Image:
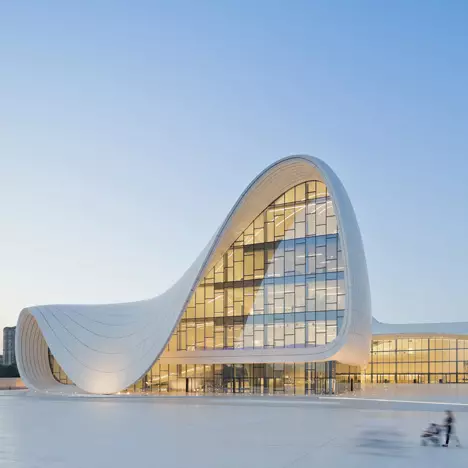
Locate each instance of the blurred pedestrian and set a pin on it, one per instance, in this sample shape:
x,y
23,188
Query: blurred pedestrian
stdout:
x,y
449,424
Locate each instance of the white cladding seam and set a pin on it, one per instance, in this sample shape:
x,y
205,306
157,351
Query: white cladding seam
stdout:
x,y
105,348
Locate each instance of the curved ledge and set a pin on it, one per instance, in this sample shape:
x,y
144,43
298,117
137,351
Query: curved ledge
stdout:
x,y
382,330
106,348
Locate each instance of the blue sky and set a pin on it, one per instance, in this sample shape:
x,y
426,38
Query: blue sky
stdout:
x,y
128,130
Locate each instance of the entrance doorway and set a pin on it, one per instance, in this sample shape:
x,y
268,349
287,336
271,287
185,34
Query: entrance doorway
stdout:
x,y
193,385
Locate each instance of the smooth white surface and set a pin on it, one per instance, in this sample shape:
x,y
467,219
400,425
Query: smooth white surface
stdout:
x,y
278,432
106,348
455,329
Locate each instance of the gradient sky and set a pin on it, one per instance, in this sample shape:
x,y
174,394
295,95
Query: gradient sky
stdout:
x,y
129,129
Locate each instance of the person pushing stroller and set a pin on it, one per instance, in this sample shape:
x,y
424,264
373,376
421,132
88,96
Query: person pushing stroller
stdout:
x,y
434,432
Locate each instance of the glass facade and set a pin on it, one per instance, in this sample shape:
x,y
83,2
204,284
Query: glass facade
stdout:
x,y
57,371
285,378
418,360
281,284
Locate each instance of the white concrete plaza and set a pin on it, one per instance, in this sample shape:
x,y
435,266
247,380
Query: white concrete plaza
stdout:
x,y
220,432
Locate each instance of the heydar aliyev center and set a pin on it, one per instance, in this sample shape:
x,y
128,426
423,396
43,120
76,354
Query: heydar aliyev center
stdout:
x,y
277,302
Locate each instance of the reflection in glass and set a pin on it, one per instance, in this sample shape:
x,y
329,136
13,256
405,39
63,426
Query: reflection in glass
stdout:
x,y
418,360
288,269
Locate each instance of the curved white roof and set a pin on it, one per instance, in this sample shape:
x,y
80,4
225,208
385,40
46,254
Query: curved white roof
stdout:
x,y
418,329
106,348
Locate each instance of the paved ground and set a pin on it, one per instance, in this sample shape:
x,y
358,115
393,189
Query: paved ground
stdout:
x,y
220,432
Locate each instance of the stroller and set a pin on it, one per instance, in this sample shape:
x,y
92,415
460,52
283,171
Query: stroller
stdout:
x,y
431,434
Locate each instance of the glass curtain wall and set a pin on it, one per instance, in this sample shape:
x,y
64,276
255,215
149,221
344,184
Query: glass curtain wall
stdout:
x,y
281,378
281,284
57,371
418,360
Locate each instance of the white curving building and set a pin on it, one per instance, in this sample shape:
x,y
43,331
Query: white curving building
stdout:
x,y
277,302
